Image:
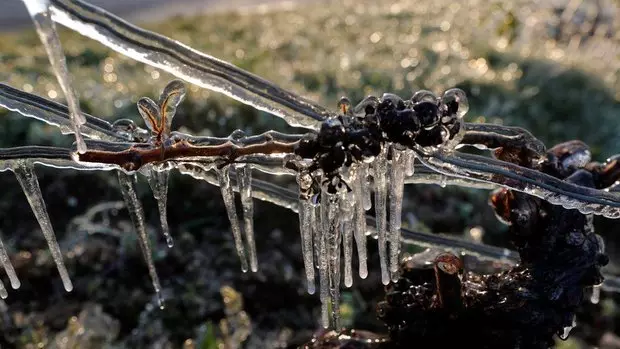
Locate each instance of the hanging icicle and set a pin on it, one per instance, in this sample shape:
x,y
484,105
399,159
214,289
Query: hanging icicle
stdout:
x,y
409,162
347,246
46,29
134,206
228,196
331,222
321,236
306,226
380,173
396,186
24,171
158,180
359,192
244,181
8,267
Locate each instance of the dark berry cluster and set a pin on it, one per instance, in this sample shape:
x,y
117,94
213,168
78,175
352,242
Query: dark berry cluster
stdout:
x,y
359,133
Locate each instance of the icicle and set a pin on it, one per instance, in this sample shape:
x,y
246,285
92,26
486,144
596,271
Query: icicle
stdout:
x,y
567,329
244,180
321,234
380,169
409,160
397,179
134,206
359,192
347,241
8,267
228,196
306,210
158,180
30,185
595,297
331,229
3,293
365,197
46,29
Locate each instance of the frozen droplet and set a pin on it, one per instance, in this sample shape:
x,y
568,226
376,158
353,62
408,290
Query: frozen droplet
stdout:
x,y
368,104
456,101
134,206
244,180
423,96
24,172
228,196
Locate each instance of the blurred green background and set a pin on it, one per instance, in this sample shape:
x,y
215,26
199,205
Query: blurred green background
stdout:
x,y
549,66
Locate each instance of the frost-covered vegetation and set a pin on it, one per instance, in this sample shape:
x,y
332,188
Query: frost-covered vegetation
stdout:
x,y
509,75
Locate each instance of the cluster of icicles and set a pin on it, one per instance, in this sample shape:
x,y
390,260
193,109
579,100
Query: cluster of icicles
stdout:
x,y
340,217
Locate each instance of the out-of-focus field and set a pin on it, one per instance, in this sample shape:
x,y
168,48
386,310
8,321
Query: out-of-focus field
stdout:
x,y
551,67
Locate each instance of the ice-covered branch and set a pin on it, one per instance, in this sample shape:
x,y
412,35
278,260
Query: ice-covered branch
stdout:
x,y
186,63
53,113
558,192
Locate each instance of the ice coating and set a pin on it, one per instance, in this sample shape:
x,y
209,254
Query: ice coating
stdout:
x,y
546,187
187,63
397,178
53,113
380,174
158,180
244,181
306,210
228,196
24,172
8,267
46,29
134,206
